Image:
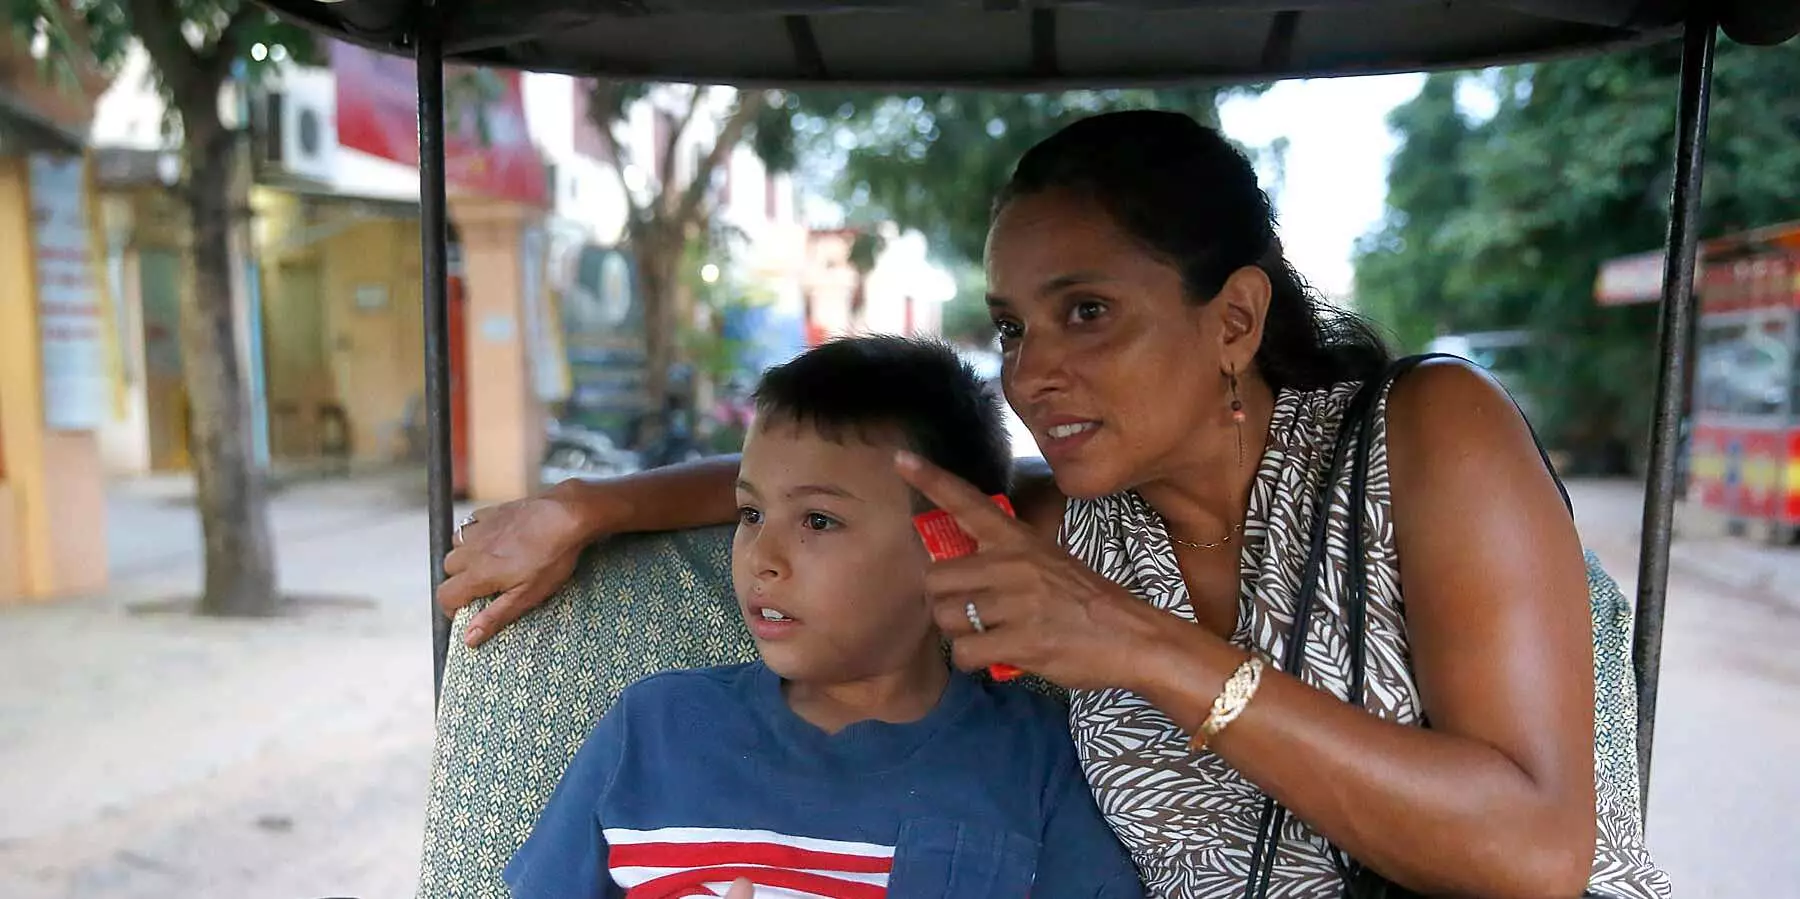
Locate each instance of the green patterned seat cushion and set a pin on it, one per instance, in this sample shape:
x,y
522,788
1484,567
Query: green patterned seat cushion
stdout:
x,y
512,713
1615,694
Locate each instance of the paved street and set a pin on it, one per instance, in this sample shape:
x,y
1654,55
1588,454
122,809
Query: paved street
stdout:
x,y
147,754
1726,775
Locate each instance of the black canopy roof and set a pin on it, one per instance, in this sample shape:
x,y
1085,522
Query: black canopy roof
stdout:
x,y
1021,43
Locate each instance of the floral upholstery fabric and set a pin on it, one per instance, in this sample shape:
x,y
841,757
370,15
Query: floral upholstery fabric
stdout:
x,y
512,713
1615,691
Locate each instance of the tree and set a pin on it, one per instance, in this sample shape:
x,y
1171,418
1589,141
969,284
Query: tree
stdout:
x,y
194,47
929,160
1505,223
934,160
664,215
1400,272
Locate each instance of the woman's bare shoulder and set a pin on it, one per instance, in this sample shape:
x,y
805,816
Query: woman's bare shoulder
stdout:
x,y
1453,406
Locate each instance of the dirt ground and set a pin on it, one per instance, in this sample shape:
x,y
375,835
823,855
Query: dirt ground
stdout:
x,y
154,754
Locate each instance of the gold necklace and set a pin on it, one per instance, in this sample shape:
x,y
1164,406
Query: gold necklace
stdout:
x,y
1213,545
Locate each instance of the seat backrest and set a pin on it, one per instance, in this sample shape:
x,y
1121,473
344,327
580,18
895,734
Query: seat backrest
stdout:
x,y
1615,697
512,713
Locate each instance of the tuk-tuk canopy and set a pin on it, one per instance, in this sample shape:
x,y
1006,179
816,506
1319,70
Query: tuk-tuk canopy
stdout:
x,y
1021,43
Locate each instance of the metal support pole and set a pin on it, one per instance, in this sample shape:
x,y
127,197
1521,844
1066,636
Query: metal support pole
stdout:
x,y
434,266
1675,343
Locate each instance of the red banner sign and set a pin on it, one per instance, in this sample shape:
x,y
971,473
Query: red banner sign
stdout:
x,y
377,113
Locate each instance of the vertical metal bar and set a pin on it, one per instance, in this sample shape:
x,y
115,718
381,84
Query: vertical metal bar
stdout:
x,y
434,266
1675,341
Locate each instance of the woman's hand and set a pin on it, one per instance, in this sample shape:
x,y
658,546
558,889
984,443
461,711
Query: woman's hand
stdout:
x,y
520,553
1040,608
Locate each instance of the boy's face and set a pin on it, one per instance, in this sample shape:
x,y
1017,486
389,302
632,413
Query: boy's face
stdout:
x,y
828,570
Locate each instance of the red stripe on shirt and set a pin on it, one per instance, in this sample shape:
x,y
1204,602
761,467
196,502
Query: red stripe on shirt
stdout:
x,y
695,855
683,883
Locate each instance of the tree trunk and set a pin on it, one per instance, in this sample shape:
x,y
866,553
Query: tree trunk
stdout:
x,y
232,497
658,257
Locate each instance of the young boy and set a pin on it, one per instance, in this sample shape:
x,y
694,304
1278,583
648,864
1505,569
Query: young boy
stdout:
x,y
851,761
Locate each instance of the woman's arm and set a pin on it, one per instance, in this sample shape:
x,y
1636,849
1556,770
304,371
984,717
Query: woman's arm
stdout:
x,y
690,495
521,552
1496,799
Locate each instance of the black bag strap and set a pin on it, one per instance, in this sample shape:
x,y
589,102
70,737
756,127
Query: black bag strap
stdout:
x,y
1358,419
1274,816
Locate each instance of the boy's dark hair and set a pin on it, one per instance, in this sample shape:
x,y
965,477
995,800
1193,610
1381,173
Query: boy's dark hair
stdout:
x,y
855,387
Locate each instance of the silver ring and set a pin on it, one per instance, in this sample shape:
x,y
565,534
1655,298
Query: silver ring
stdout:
x,y
457,537
974,617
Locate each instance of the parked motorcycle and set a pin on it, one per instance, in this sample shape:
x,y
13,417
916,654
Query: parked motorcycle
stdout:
x,y
572,451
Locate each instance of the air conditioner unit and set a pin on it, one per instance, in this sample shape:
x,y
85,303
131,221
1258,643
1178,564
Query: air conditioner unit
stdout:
x,y
298,124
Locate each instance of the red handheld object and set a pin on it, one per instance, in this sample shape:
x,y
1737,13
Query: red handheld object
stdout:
x,y
945,539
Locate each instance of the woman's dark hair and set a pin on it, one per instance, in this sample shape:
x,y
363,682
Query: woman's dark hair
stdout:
x,y
853,388
1188,196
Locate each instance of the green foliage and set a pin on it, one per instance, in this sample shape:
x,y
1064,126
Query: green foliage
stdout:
x,y
1401,271
934,160
191,42
865,250
1504,223
715,356
966,319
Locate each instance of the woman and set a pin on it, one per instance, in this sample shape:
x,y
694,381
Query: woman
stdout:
x,y
1186,389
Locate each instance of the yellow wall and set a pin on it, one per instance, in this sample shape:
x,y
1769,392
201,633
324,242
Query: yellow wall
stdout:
x,y
373,360
506,420
149,427
160,227
12,544
24,518
324,342
377,353
52,499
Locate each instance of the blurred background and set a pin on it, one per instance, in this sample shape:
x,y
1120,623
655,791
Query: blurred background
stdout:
x,y
210,270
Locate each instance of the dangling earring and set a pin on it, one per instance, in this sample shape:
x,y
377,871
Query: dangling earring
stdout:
x,y
1237,418
1237,414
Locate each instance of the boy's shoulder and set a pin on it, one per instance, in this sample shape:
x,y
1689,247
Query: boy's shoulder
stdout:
x,y
1020,705
669,691
1013,720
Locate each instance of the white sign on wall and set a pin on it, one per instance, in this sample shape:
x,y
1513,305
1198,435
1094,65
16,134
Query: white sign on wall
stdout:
x,y
545,359
72,343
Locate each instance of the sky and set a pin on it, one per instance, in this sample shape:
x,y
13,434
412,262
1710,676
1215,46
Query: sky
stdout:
x,y
1338,150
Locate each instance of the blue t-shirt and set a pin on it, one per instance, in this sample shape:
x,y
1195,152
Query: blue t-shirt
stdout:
x,y
696,778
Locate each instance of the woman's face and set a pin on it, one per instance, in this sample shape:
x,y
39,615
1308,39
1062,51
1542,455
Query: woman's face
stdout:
x,y
1120,378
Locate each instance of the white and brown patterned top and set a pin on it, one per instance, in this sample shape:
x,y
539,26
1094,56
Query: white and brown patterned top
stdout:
x,y
1189,820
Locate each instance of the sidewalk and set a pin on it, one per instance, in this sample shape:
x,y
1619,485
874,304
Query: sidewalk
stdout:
x,y
152,524
154,754
1610,515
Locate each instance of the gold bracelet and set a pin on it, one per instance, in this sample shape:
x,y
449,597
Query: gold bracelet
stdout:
x,y
1232,700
